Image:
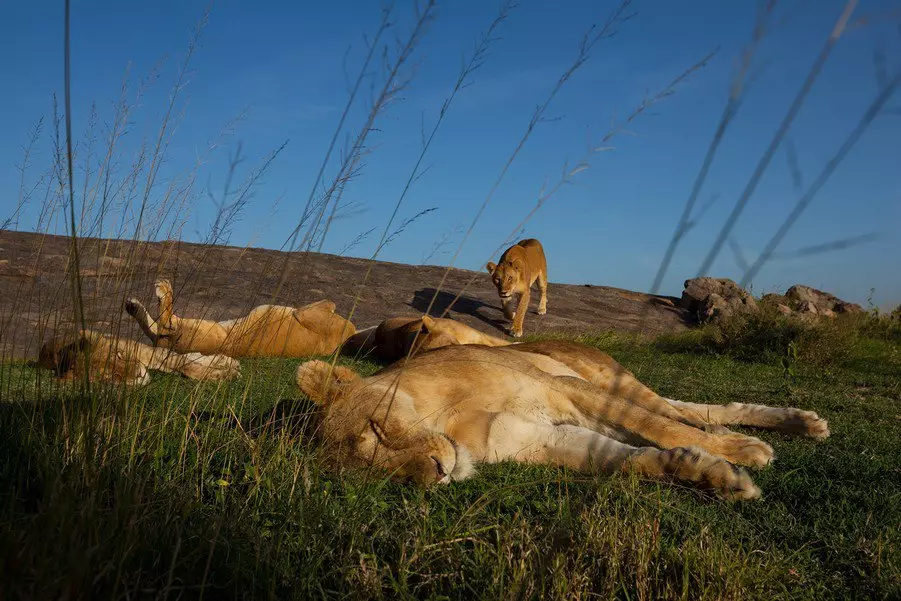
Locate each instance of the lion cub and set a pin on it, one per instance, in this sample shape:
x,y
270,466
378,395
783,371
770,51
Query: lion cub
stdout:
x,y
520,266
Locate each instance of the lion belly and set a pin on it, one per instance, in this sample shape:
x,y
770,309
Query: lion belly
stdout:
x,y
283,336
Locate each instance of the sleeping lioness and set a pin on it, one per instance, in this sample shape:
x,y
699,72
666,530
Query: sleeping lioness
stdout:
x,y
401,336
266,331
432,416
127,361
520,266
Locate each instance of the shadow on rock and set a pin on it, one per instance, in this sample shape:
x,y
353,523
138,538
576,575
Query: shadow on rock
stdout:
x,y
466,305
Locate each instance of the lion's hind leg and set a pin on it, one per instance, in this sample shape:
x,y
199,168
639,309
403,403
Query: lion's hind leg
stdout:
x,y
164,297
512,437
784,419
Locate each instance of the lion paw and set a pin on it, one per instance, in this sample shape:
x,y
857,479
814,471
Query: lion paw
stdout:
x,y
808,423
516,333
163,288
730,482
132,306
542,310
745,450
707,472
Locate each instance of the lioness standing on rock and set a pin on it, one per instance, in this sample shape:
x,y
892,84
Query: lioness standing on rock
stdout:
x,y
520,266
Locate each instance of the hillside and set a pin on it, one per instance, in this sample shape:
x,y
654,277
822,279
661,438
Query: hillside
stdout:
x,y
223,282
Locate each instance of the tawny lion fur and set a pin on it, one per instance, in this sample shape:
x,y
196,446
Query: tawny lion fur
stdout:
x,y
520,266
401,336
266,331
127,361
430,417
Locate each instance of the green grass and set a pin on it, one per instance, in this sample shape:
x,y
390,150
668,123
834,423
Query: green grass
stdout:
x,y
216,490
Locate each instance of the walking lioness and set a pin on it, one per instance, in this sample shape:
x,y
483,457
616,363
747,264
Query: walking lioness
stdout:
x,y
266,331
520,266
430,417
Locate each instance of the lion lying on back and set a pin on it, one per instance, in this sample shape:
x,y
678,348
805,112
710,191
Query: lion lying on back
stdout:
x,y
266,331
542,402
127,361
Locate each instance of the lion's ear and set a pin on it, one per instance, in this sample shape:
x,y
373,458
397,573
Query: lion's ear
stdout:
x,y
428,323
318,380
491,267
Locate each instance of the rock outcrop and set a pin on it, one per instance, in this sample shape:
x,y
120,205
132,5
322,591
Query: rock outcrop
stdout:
x,y
805,299
712,299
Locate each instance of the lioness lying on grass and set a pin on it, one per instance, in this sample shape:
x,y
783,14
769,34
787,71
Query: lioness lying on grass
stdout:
x,y
127,361
430,417
398,336
266,331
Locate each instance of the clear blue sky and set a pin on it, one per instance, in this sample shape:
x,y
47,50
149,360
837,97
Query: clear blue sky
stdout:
x,y
284,61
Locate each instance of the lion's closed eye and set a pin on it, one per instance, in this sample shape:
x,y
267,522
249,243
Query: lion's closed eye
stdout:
x,y
377,430
439,469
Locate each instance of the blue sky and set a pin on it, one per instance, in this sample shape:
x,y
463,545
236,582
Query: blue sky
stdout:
x,y
284,61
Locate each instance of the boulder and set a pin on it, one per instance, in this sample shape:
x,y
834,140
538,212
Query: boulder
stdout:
x,y
806,307
784,309
711,299
822,301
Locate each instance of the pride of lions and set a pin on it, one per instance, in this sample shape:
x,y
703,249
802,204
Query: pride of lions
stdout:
x,y
454,396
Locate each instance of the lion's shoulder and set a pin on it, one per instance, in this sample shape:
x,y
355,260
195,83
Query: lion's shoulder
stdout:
x,y
525,256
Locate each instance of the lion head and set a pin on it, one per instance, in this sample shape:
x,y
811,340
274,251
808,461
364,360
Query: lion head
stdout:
x,y
60,353
507,276
426,333
369,423
66,355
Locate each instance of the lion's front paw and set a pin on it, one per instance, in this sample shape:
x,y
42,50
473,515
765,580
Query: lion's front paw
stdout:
x,y
132,306
516,333
730,482
702,469
745,450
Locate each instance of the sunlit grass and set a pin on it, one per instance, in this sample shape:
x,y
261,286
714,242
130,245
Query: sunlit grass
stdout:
x,y
217,488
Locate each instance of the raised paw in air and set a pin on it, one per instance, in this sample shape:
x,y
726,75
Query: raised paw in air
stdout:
x,y
132,306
